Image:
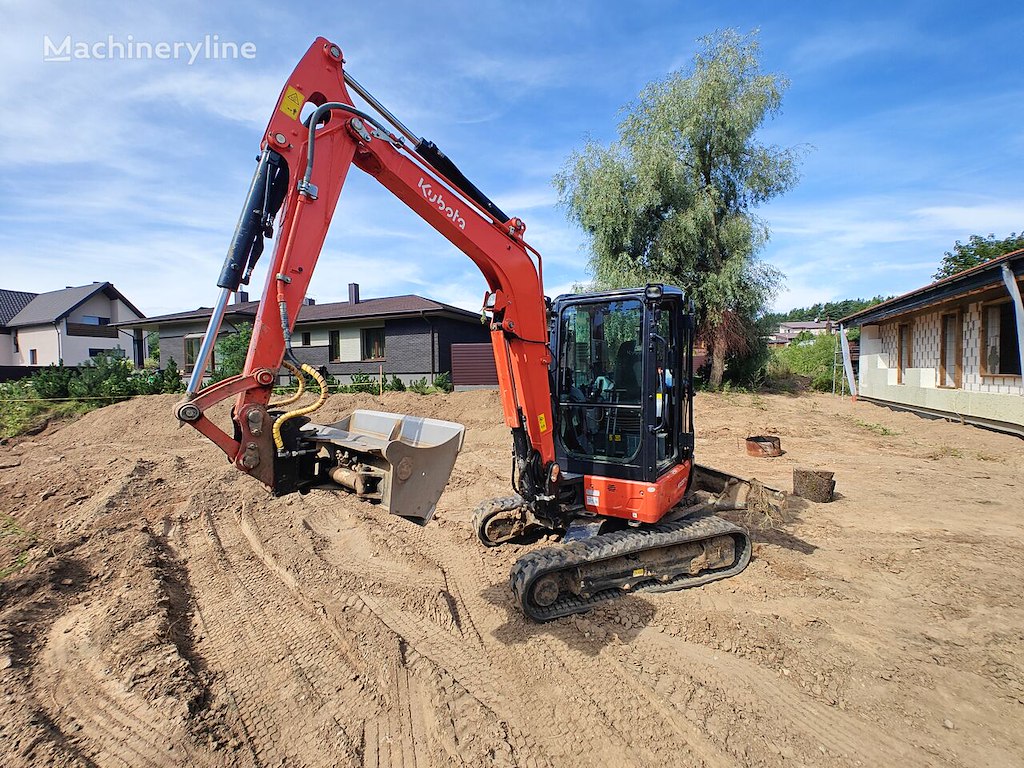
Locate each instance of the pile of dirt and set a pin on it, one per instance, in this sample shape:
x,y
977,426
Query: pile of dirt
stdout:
x,y
163,609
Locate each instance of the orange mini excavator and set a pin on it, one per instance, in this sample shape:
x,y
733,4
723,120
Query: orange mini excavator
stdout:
x,y
597,388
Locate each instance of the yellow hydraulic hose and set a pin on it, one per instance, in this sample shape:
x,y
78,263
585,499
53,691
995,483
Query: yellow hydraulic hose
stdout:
x,y
314,374
301,382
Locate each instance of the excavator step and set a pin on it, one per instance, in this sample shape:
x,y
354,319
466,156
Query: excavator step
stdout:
x,y
560,581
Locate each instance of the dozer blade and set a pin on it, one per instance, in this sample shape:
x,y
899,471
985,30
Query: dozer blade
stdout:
x,y
404,461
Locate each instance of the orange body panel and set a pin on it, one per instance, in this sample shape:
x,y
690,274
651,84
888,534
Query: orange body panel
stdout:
x,y
633,500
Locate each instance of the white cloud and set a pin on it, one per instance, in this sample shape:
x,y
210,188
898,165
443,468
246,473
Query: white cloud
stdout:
x,y
982,218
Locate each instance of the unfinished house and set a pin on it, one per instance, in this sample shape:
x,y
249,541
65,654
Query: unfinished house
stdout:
x,y
950,349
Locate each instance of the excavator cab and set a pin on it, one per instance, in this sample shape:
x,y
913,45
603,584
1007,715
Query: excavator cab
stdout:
x,y
623,374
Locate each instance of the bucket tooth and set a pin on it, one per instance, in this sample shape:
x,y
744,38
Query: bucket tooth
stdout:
x,y
415,455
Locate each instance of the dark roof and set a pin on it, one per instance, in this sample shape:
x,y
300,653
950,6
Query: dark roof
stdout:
x,y
245,309
391,306
986,275
12,302
52,306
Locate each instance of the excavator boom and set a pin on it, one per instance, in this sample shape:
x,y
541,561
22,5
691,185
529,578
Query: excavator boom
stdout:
x,y
315,135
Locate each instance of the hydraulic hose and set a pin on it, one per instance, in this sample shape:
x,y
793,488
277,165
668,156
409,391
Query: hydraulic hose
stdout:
x,y
314,120
301,381
314,374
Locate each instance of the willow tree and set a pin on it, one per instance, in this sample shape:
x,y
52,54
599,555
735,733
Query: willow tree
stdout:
x,y
671,199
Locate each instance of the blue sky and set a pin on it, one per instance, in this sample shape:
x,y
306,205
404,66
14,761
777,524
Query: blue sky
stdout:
x,y
134,171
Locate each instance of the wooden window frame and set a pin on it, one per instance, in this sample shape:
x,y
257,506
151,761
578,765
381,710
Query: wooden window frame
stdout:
x,y
364,338
983,341
900,362
334,346
197,342
958,365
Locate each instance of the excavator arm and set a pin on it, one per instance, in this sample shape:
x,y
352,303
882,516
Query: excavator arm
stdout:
x,y
304,162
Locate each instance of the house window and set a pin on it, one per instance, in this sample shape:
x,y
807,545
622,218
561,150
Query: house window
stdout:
x,y
306,338
950,368
95,320
33,357
373,343
334,346
98,352
1000,354
906,349
14,340
192,345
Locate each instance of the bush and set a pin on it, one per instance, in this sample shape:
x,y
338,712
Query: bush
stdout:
x,y
230,353
419,386
59,390
813,357
395,384
107,377
52,381
361,382
443,382
171,378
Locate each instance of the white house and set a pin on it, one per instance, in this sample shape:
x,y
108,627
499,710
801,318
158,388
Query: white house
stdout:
x,y
70,326
790,330
950,349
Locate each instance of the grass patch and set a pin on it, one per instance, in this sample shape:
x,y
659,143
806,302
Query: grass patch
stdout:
x,y
758,402
16,543
982,456
878,429
945,452
23,412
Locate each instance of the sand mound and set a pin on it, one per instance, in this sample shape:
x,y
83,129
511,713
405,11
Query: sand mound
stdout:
x,y
164,610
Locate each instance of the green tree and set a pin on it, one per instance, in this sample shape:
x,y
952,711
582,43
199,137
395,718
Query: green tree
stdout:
x,y
977,250
231,351
671,200
829,310
171,378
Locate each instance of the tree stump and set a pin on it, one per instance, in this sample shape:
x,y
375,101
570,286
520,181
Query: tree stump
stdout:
x,y
814,484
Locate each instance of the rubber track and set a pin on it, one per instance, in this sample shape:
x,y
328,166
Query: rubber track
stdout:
x,y
490,508
619,544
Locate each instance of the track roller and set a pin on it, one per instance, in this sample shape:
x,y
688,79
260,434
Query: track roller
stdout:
x,y
553,582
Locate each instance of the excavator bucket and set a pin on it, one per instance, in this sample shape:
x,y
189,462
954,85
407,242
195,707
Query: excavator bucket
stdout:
x,y
403,462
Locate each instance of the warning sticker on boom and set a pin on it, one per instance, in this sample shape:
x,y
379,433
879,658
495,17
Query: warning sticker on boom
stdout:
x,y
542,422
292,102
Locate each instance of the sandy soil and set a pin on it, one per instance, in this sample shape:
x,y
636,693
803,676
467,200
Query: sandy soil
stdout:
x,y
172,613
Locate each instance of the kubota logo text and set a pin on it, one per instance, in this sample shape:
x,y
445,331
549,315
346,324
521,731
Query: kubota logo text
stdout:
x,y
438,199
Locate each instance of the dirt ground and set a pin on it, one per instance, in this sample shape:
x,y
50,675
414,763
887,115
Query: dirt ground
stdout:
x,y
170,612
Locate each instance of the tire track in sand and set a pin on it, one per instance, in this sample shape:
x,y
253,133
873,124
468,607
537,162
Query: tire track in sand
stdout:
x,y
285,674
